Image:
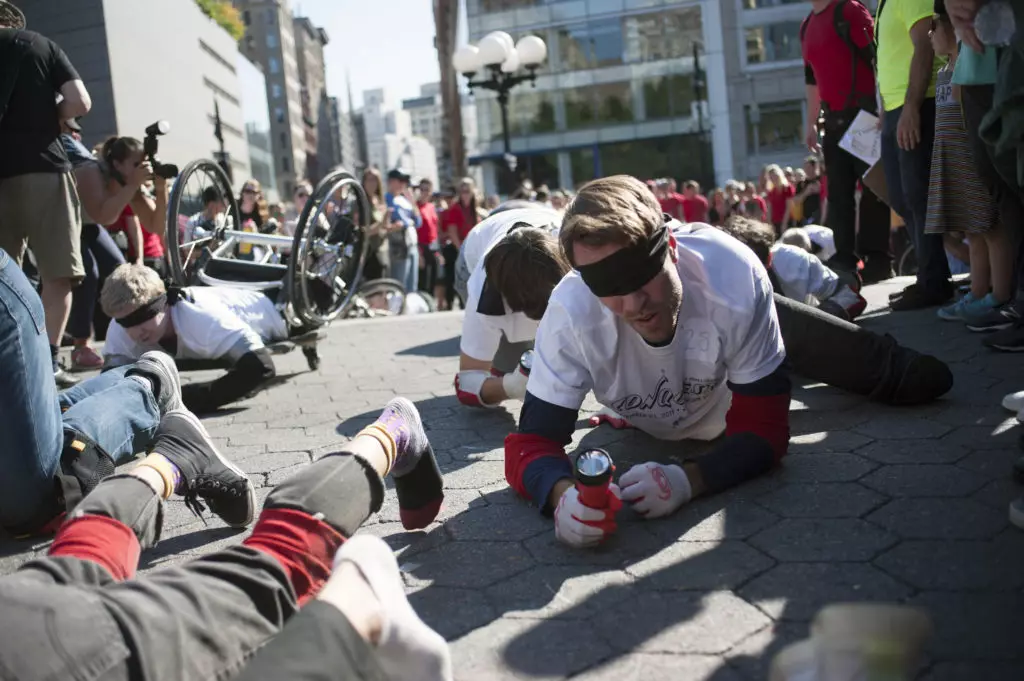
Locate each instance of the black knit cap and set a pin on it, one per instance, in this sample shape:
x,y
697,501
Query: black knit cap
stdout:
x,y
940,7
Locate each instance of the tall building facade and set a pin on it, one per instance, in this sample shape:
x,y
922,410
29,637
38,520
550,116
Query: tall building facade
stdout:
x,y
427,120
702,89
270,42
104,40
309,53
390,141
257,127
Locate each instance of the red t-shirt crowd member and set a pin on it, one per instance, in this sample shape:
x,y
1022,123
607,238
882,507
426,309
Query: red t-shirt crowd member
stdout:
x,y
152,244
828,58
464,218
755,208
777,198
695,209
426,233
673,205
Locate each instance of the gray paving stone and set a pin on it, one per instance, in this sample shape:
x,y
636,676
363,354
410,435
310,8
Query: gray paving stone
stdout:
x,y
998,493
974,626
661,668
824,467
751,658
452,612
973,671
451,439
699,566
985,437
500,522
957,565
474,475
900,427
823,540
563,591
796,591
995,464
913,452
467,564
632,541
456,502
826,441
813,420
479,452
684,622
268,463
516,649
404,543
714,518
924,481
939,519
824,500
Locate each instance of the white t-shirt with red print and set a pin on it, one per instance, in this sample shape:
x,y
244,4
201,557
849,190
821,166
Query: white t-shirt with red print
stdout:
x,y
727,330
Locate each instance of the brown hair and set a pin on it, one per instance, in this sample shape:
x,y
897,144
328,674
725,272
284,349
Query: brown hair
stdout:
x,y
377,197
261,202
525,267
754,234
611,210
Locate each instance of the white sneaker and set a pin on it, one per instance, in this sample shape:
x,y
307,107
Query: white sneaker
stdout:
x,y
1014,401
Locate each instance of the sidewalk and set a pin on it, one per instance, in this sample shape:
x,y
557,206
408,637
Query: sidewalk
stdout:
x,y
874,503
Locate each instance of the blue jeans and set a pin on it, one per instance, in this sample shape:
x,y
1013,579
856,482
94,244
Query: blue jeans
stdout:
x,y
906,177
407,270
119,415
100,256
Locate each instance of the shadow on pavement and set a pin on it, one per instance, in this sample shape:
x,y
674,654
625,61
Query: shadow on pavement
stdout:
x,y
448,347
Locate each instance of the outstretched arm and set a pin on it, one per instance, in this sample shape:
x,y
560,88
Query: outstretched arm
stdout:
x,y
251,371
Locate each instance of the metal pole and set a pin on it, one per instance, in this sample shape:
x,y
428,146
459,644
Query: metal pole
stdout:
x,y
503,103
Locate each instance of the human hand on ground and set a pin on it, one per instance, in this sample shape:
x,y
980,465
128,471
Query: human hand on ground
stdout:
x,y
612,418
581,526
655,490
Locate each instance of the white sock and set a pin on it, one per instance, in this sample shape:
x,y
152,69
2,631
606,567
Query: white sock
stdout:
x,y
408,650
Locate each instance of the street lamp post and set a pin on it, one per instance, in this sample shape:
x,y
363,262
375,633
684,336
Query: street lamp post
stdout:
x,y
502,62
700,92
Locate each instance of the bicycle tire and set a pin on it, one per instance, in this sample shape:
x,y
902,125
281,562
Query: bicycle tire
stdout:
x,y
301,289
369,290
180,273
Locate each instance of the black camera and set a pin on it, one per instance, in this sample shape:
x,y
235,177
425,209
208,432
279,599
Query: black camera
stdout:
x,y
150,144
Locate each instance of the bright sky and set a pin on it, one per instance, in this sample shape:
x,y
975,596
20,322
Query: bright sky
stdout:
x,y
378,43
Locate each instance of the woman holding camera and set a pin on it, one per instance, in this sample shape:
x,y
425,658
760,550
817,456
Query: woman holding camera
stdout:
x,y
102,202
144,219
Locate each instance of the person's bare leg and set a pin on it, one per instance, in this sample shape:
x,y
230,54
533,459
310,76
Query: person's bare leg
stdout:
x,y
980,270
1000,258
56,297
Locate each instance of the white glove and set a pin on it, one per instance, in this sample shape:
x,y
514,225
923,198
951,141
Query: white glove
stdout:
x,y
514,384
655,490
469,386
580,526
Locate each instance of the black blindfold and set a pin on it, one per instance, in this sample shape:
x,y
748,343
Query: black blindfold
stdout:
x,y
628,269
144,313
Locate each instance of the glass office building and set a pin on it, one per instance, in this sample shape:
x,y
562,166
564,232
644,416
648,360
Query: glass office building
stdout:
x,y
706,90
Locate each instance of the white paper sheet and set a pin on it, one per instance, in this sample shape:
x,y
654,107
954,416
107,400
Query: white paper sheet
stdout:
x,y
863,139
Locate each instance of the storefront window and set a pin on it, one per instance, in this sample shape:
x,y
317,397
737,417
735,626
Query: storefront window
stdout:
x,y
781,126
668,96
614,103
534,112
579,109
774,42
683,157
662,35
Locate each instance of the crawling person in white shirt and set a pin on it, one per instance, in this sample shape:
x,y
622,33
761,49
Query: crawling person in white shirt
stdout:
x,y
814,239
514,261
197,322
794,271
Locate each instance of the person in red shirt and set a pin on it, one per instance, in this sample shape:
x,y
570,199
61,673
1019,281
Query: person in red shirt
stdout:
x,y
671,201
695,206
840,82
430,247
753,204
780,191
461,217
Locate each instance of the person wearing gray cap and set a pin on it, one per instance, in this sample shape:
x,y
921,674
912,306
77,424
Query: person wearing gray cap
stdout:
x,y
38,199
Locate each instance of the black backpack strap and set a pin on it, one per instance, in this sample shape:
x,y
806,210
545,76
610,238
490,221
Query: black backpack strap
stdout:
x,y
22,44
865,54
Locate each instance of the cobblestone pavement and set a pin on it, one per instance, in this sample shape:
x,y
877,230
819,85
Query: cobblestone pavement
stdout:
x,y
873,503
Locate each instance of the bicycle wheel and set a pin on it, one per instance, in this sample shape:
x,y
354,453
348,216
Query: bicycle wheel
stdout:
x,y
191,239
328,255
908,263
381,298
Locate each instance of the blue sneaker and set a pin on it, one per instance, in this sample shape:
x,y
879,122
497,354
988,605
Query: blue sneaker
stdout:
x,y
989,315
954,312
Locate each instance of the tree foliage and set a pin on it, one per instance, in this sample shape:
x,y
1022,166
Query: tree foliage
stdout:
x,y
226,16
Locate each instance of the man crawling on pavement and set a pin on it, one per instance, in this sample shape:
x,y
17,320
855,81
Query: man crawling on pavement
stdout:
x,y
197,322
671,326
